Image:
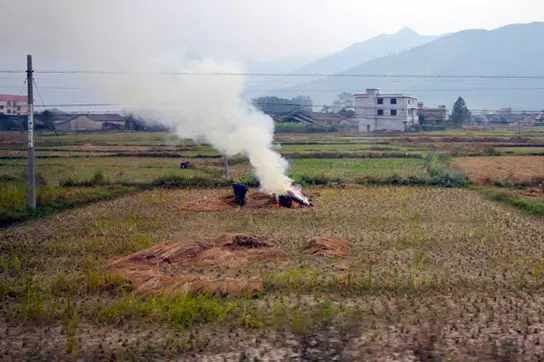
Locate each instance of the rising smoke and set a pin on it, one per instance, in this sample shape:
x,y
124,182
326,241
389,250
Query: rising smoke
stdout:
x,y
126,36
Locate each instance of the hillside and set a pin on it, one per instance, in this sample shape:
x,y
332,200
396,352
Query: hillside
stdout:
x,y
351,56
510,50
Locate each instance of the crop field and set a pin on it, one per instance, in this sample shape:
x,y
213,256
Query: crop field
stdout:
x,y
359,168
424,247
511,169
428,272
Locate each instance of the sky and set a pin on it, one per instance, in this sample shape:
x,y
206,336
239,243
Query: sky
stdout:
x,y
72,34
265,30
268,29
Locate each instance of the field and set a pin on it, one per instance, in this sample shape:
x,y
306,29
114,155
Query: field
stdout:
x,y
436,265
515,169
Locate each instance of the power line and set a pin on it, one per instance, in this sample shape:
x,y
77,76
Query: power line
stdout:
x,y
347,75
279,105
39,93
393,90
59,88
413,90
23,87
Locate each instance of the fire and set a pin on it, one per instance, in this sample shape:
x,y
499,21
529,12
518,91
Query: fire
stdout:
x,y
293,198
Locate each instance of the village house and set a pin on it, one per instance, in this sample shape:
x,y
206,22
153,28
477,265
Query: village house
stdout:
x,y
88,122
12,105
307,117
439,114
375,111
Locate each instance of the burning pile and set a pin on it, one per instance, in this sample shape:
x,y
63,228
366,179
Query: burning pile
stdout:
x,y
217,202
292,197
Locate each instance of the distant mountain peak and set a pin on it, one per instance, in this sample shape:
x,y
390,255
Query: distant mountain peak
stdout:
x,y
406,30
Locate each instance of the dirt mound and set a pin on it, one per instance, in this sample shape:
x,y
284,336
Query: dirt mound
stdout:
x,y
254,200
328,246
240,241
161,268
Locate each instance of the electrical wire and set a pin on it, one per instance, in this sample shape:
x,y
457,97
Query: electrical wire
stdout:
x,y
281,105
413,90
38,90
346,75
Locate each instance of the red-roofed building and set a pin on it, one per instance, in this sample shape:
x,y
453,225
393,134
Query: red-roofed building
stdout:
x,y
12,105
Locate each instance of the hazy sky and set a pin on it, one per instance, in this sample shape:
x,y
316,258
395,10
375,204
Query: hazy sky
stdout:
x,y
254,29
272,28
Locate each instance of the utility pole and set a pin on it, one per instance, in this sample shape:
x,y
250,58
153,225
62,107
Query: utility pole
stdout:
x,y
31,166
226,159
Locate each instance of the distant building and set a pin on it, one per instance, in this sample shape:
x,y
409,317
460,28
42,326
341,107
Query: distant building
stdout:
x,y
432,114
385,112
88,122
306,117
12,105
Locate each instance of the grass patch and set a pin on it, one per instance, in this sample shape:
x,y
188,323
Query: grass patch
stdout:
x,y
530,207
13,199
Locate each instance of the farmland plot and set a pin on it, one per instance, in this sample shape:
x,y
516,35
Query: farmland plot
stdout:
x,y
428,273
527,170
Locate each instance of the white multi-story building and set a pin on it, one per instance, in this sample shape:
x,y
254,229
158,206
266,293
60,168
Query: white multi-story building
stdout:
x,y
385,112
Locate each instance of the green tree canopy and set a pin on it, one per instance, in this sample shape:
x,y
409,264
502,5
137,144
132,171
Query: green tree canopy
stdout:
x,y
276,105
47,118
460,113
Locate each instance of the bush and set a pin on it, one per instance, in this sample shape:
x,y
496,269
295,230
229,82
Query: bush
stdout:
x,y
177,181
441,174
98,179
306,180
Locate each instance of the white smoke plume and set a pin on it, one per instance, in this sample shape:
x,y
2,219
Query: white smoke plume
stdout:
x,y
127,36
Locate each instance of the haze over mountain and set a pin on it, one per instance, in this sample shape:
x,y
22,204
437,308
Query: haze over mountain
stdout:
x,y
510,50
351,56
513,50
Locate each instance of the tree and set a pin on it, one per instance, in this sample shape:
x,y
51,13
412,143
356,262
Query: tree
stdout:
x,y
47,118
275,105
5,123
347,112
133,123
345,97
460,113
345,100
303,102
325,109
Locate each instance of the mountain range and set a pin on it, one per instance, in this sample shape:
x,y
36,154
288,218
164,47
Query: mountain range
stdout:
x,y
513,50
353,55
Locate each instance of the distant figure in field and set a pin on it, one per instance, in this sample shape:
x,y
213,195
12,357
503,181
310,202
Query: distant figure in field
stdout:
x,y
240,193
185,164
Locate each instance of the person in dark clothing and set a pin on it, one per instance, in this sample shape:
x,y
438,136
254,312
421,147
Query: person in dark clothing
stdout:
x,y
240,193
